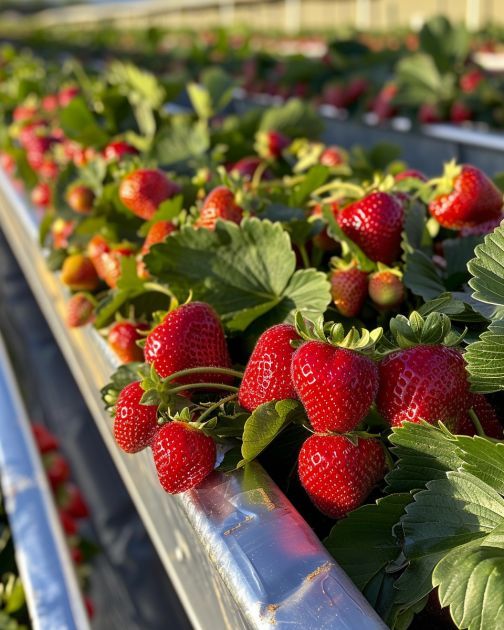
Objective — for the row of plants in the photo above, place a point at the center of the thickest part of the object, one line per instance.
(327, 310)
(429, 76)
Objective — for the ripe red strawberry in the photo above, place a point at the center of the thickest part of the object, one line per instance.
(71, 501)
(482, 228)
(470, 80)
(79, 273)
(45, 440)
(468, 198)
(189, 336)
(77, 555)
(383, 107)
(157, 234)
(24, 112)
(7, 163)
(183, 456)
(271, 144)
(135, 425)
(143, 190)
(332, 156)
(61, 231)
(486, 415)
(80, 198)
(50, 103)
(68, 523)
(349, 288)
(386, 289)
(338, 475)
(423, 383)
(57, 469)
(247, 166)
(375, 224)
(219, 204)
(90, 609)
(80, 310)
(267, 376)
(428, 114)
(460, 112)
(41, 195)
(336, 386)
(116, 150)
(67, 94)
(107, 260)
(122, 339)
(410, 173)
(48, 170)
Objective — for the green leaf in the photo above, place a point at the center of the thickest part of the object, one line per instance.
(230, 460)
(167, 211)
(446, 43)
(488, 269)
(470, 582)
(291, 118)
(79, 124)
(484, 459)
(364, 543)
(334, 230)
(485, 360)
(265, 424)
(424, 453)
(457, 253)
(421, 276)
(243, 271)
(456, 309)
(213, 93)
(419, 81)
(180, 142)
(124, 375)
(313, 179)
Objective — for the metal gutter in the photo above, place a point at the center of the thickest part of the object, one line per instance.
(237, 552)
(50, 583)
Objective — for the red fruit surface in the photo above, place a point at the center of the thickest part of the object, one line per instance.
(338, 475)
(57, 469)
(486, 415)
(423, 383)
(67, 94)
(349, 288)
(116, 150)
(90, 609)
(79, 273)
(80, 198)
(157, 234)
(80, 310)
(219, 204)
(386, 289)
(45, 440)
(41, 195)
(24, 112)
(7, 163)
(383, 106)
(271, 144)
(428, 114)
(135, 425)
(107, 260)
(50, 103)
(267, 376)
(68, 523)
(460, 113)
(470, 80)
(375, 223)
(474, 199)
(48, 170)
(482, 228)
(410, 173)
(332, 156)
(143, 190)
(61, 231)
(183, 456)
(247, 166)
(71, 501)
(122, 339)
(336, 386)
(190, 336)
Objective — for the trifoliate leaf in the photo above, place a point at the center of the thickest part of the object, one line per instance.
(484, 459)
(291, 118)
(485, 360)
(487, 269)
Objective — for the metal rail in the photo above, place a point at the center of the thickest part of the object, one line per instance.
(237, 552)
(50, 583)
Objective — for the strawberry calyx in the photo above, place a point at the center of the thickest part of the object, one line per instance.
(333, 333)
(435, 329)
(444, 185)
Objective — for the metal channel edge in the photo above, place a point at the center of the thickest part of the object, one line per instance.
(49, 579)
(271, 568)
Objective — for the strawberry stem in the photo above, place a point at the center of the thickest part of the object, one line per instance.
(479, 428)
(216, 405)
(183, 388)
(304, 255)
(203, 370)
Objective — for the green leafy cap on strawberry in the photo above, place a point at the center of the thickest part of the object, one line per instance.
(334, 333)
(435, 329)
(444, 185)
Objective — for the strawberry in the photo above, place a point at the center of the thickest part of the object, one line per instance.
(79, 273)
(189, 336)
(143, 190)
(80, 198)
(45, 440)
(428, 114)
(90, 609)
(48, 170)
(423, 383)
(460, 112)
(77, 555)
(465, 197)
(157, 234)
(336, 386)
(337, 474)
(71, 501)
(410, 173)
(50, 103)
(482, 229)
(386, 288)
(383, 107)
(57, 469)
(470, 80)
(68, 523)
(267, 376)
(7, 163)
(80, 310)
(122, 339)
(271, 144)
(375, 224)
(332, 156)
(349, 287)
(114, 151)
(61, 231)
(183, 456)
(135, 425)
(24, 112)
(219, 204)
(41, 195)
(247, 166)
(67, 94)
(107, 260)
(486, 415)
